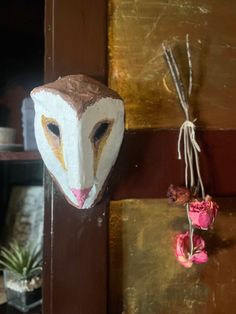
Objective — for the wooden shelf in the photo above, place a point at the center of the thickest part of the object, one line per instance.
(20, 156)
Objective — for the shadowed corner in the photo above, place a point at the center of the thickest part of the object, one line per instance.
(216, 243)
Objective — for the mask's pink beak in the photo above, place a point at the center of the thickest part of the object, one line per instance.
(81, 195)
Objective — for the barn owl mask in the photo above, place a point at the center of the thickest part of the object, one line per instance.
(79, 127)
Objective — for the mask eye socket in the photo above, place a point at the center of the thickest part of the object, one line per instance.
(54, 138)
(54, 129)
(100, 131)
(100, 134)
(98, 138)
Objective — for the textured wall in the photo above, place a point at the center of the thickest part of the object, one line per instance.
(138, 72)
(145, 277)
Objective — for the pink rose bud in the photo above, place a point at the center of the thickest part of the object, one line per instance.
(202, 213)
(182, 250)
(178, 195)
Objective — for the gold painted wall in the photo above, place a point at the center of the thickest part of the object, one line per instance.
(145, 277)
(138, 72)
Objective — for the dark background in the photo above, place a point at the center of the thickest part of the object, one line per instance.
(21, 55)
(21, 69)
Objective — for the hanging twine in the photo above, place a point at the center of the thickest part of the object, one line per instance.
(187, 127)
(187, 134)
(187, 130)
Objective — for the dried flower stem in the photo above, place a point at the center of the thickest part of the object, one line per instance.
(177, 79)
(190, 83)
(187, 130)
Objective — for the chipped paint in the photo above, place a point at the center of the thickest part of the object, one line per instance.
(204, 10)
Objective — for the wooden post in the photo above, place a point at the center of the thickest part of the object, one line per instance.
(75, 241)
(75, 256)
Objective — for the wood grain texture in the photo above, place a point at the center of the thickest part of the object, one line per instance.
(137, 69)
(75, 252)
(76, 37)
(144, 274)
(148, 163)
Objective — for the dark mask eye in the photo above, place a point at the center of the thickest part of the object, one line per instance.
(100, 131)
(54, 129)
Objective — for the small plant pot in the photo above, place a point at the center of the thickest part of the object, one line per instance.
(23, 292)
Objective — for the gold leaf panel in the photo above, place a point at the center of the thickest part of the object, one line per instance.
(138, 72)
(145, 277)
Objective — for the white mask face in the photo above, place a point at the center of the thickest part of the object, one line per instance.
(79, 128)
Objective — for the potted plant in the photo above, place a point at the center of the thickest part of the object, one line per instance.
(22, 269)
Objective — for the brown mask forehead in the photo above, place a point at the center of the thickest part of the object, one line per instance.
(80, 91)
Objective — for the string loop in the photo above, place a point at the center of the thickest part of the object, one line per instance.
(187, 127)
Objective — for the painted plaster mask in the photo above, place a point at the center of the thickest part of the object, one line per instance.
(79, 127)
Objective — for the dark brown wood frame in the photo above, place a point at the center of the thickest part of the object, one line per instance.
(75, 241)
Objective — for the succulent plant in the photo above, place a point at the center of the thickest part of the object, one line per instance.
(22, 261)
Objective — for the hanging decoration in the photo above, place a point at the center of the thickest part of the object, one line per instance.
(200, 208)
(79, 128)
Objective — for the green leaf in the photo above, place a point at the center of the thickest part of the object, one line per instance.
(23, 261)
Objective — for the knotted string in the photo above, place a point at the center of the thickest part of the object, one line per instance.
(187, 129)
(191, 147)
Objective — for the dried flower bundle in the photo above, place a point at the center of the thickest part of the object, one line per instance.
(201, 210)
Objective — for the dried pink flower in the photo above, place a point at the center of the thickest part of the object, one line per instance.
(203, 213)
(182, 250)
(178, 195)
